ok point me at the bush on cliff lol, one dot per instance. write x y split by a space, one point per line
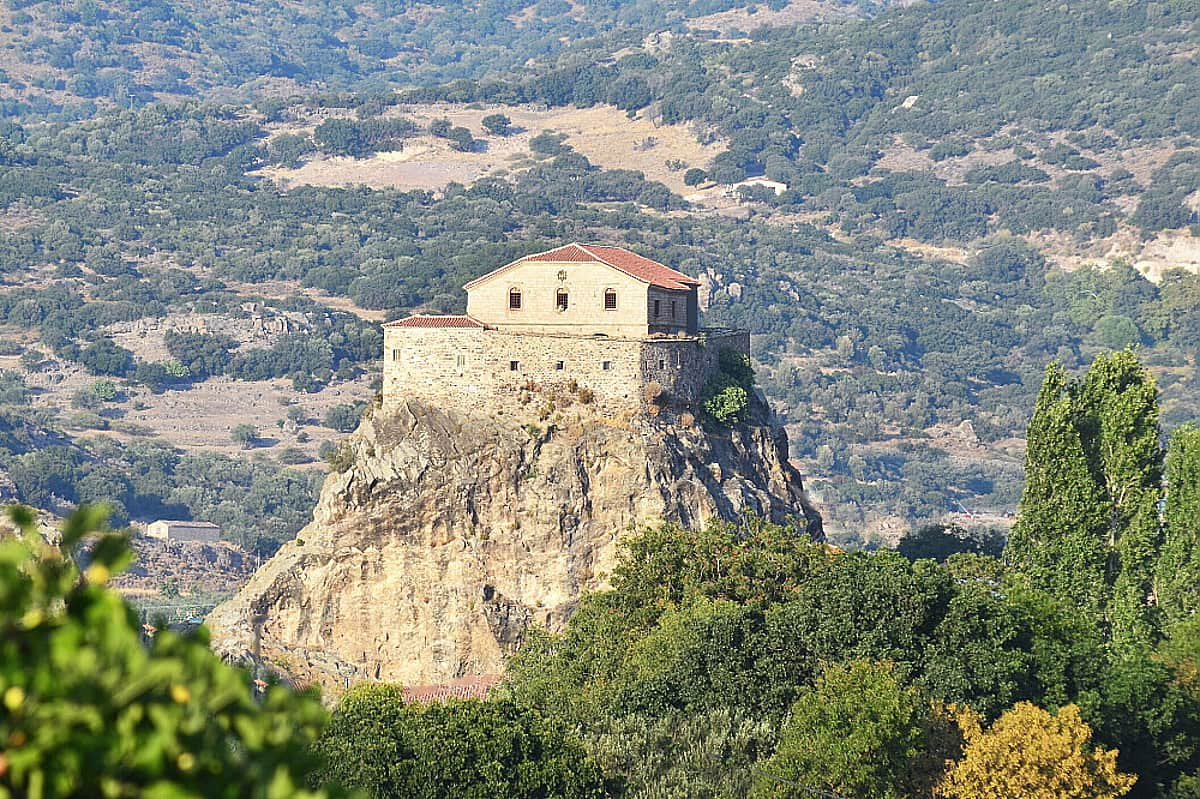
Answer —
726 395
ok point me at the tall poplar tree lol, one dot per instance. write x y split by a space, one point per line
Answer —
1058 541
1177 578
1120 433
1088 526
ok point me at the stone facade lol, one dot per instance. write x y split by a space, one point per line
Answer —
575 289
628 322
464 368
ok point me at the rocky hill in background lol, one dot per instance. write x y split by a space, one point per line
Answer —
447 534
190 567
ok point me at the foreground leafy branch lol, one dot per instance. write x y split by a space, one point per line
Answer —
90 709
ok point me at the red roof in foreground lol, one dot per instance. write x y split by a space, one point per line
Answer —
618 258
430 320
475 686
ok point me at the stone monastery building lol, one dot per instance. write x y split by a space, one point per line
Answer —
594 316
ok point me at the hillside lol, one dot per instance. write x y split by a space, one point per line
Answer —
953 171
71 59
940 540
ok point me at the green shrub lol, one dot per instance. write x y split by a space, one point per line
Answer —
105 390
345 417
497 124
726 395
340 456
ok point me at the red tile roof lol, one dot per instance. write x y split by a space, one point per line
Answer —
476 686
618 258
430 320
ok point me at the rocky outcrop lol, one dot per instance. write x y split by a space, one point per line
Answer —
450 533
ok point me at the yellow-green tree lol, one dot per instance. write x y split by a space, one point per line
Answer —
1030 754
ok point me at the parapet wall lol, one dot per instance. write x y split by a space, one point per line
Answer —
468 367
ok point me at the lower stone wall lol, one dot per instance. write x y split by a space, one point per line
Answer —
468 367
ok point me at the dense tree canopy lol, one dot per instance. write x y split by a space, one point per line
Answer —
469 748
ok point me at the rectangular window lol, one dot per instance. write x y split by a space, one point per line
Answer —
610 300
606 365
514 300
662 363
559 366
656 311
514 366
395 355
462 361
672 309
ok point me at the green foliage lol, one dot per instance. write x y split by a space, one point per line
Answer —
13 390
360 138
1148 710
287 149
694 177
1117 332
1087 527
497 124
468 748
245 434
103 357
702 755
725 401
345 417
340 456
1121 433
726 395
940 541
856 732
105 390
1177 578
92 709
200 354
743 618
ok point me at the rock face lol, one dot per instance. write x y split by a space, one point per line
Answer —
450 533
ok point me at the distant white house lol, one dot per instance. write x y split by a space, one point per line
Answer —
773 185
184 531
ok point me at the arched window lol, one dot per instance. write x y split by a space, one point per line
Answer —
610 299
561 300
514 299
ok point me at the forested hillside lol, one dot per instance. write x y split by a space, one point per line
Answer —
943 163
69 58
974 285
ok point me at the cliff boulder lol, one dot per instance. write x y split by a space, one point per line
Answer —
448 533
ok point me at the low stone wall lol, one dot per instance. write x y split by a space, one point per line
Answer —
467 367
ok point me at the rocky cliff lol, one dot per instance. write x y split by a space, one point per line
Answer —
449 533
